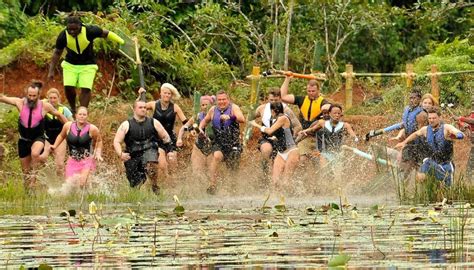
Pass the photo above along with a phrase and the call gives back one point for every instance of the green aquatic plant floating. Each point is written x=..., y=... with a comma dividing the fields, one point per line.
x=340, y=260
x=179, y=209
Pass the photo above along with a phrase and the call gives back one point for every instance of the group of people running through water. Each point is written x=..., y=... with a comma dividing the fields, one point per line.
x=46, y=127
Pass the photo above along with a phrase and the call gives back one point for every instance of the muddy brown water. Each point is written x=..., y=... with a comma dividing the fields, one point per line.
x=217, y=232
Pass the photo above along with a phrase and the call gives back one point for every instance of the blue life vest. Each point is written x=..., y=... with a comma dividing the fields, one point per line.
x=441, y=150
x=409, y=119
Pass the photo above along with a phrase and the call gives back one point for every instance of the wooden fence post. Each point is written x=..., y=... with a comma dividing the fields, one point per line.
x=410, y=75
x=434, y=82
x=349, y=81
x=254, y=85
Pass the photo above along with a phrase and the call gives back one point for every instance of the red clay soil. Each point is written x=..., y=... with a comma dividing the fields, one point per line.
x=18, y=75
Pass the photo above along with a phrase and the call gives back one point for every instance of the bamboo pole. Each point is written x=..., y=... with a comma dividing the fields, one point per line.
x=349, y=82
x=434, y=82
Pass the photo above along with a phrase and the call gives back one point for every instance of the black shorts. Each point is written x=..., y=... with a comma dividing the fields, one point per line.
x=231, y=154
x=265, y=139
x=414, y=152
x=136, y=166
x=24, y=146
x=173, y=138
x=204, y=145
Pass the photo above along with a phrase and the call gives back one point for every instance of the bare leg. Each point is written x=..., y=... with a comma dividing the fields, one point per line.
x=26, y=168
x=59, y=158
x=198, y=162
x=46, y=151
x=290, y=165
x=163, y=162
x=71, y=97
x=216, y=160
x=266, y=150
x=172, y=161
x=278, y=167
x=85, y=97
x=36, y=149
x=152, y=173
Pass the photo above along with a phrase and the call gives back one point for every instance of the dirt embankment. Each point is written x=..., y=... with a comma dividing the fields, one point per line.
x=17, y=76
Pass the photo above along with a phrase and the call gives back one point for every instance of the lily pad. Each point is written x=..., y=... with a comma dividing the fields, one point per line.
x=339, y=260
x=179, y=210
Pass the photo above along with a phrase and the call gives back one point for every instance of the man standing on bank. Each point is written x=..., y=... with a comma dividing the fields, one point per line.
x=140, y=134
x=79, y=67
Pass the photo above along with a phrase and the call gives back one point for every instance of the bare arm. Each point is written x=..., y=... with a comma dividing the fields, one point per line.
x=11, y=101
x=412, y=137
x=207, y=119
x=164, y=136
x=97, y=138
x=179, y=112
x=62, y=135
x=237, y=112
x=269, y=130
x=315, y=126
x=119, y=139
x=48, y=108
x=350, y=130
x=258, y=112
x=182, y=129
x=452, y=133
x=297, y=127
x=54, y=61
x=285, y=97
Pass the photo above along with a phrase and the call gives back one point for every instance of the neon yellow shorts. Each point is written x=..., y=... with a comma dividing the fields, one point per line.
x=81, y=76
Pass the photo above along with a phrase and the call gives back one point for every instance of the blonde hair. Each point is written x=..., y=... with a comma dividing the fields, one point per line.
x=53, y=91
x=174, y=92
x=430, y=96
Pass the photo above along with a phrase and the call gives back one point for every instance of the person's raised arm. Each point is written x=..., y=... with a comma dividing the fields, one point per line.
x=11, y=101
x=285, y=97
x=119, y=139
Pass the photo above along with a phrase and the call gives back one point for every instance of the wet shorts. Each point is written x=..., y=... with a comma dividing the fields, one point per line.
x=414, y=152
x=231, y=154
x=136, y=166
x=173, y=146
x=81, y=76
x=24, y=146
x=74, y=166
x=265, y=139
x=442, y=172
x=204, y=146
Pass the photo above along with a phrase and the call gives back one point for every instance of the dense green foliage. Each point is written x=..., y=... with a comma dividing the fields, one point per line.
x=206, y=45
